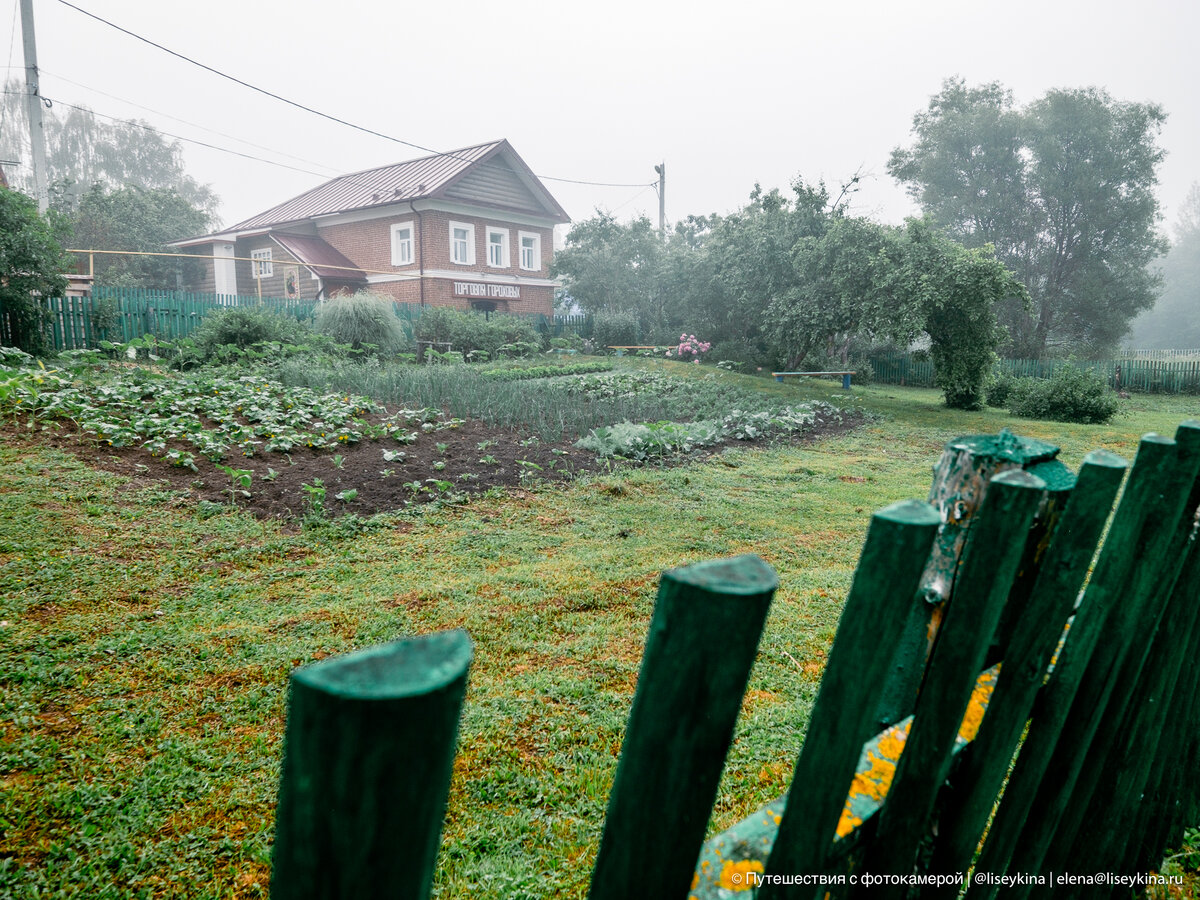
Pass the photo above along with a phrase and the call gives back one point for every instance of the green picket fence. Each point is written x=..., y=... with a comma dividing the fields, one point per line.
x=121, y=315
x=1160, y=375
x=963, y=612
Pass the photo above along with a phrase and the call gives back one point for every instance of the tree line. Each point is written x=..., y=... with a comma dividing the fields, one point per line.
x=1039, y=228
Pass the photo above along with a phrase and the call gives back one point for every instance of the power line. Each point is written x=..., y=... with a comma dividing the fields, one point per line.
x=309, y=109
x=180, y=137
x=186, y=122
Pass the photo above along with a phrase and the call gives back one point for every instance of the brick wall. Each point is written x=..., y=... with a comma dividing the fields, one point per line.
x=369, y=245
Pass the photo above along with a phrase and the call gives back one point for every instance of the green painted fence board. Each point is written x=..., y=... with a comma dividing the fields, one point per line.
x=884, y=587
x=967, y=804
x=994, y=549
x=1135, y=540
x=368, y=754
x=702, y=644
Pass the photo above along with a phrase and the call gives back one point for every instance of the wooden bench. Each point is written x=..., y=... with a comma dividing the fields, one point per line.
x=914, y=728
x=779, y=376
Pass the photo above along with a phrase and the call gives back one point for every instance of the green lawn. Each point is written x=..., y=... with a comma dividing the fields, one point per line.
x=144, y=649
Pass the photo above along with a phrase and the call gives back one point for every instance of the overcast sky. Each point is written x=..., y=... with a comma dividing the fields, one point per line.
x=727, y=94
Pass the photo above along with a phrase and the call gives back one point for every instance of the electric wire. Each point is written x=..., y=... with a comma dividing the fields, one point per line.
x=316, y=112
x=158, y=112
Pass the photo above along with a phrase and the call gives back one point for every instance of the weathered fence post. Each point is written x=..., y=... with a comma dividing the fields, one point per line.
x=366, y=772
x=960, y=482
x=1055, y=748
x=702, y=643
x=1035, y=633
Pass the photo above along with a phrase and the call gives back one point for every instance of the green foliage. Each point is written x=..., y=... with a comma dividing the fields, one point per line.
x=472, y=332
x=1071, y=394
x=1000, y=390
x=83, y=151
x=31, y=263
x=528, y=372
x=134, y=218
x=659, y=440
x=1174, y=322
x=957, y=291
x=1064, y=191
x=366, y=321
x=745, y=356
x=615, y=329
x=245, y=326
x=846, y=287
x=607, y=266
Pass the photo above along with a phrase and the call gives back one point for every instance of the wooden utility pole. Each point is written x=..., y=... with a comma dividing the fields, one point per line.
x=662, y=199
x=37, y=137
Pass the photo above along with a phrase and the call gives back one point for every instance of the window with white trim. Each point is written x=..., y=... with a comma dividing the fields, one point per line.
x=261, y=264
x=531, y=251
x=497, y=246
x=462, y=244
x=402, y=244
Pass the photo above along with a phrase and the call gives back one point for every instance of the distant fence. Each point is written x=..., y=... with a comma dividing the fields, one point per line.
x=1164, y=375
x=122, y=314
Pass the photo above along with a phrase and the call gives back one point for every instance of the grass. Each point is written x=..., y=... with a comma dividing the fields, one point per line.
x=145, y=650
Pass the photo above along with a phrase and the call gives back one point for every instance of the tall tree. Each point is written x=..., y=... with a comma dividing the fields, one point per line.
x=1064, y=191
x=137, y=219
x=83, y=150
x=31, y=266
x=1174, y=322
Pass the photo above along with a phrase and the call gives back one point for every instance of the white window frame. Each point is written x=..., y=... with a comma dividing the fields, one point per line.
x=505, y=260
x=403, y=249
x=470, y=229
x=261, y=267
x=537, y=250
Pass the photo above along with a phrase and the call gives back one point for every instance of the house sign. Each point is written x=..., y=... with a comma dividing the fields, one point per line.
x=492, y=291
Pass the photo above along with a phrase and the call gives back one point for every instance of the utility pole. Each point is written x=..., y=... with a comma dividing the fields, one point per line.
x=662, y=199
x=37, y=137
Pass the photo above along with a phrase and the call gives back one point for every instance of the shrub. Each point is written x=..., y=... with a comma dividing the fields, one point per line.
x=472, y=332
x=1000, y=390
x=1070, y=395
x=364, y=320
x=615, y=329
x=245, y=326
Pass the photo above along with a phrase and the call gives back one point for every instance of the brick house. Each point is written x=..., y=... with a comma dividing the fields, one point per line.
x=473, y=228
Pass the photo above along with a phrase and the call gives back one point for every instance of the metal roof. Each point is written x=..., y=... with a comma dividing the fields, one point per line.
x=325, y=261
x=397, y=183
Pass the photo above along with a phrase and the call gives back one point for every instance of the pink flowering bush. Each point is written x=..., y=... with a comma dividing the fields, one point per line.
x=690, y=348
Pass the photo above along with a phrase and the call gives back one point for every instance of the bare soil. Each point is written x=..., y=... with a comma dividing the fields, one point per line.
x=468, y=459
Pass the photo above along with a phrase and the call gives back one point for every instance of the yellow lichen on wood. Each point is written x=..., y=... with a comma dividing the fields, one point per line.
x=734, y=875
x=874, y=781
x=978, y=705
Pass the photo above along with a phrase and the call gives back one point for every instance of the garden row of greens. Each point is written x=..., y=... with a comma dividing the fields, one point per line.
x=216, y=414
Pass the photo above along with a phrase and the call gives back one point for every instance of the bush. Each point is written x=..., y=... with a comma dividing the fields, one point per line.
x=245, y=326
x=615, y=329
x=745, y=356
x=1000, y=390
x=472, y=332
x=1070, y=395
x=365, y=321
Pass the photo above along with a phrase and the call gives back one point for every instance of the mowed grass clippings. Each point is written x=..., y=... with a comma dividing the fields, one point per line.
x=146, y=650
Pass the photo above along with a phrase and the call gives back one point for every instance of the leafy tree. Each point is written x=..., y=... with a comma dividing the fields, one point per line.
x=1064, y=191
x=608, y=266
x=1174, y=322
x=847, y=287
x=134, y=218
x=31, y=263
x=83, y=150
x=957, y=292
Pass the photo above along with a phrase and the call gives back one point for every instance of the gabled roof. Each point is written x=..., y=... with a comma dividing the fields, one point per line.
x=430, y=177
x=324, y=261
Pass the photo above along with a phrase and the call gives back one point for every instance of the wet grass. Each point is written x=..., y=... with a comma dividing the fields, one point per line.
x=144, y=650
